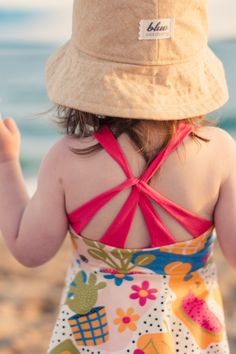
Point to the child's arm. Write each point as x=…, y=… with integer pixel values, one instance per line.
x=225, y=210
x=33, y=229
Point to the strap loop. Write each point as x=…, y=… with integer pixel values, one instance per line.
x=142, y=195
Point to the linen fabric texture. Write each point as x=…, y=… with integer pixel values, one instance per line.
x=106, y=69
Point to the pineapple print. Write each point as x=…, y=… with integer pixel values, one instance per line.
x=83, y=293
x=89, y=324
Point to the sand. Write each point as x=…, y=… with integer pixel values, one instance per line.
x=29, y=300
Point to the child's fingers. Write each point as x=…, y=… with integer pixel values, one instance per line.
x=10, y=124
x=2, y=126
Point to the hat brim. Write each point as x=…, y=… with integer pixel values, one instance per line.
x=160, y=92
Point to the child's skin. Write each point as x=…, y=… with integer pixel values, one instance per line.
x=35, y=229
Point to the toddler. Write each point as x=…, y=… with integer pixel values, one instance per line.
x=141, y=180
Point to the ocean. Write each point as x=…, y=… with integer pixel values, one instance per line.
x=23, y=96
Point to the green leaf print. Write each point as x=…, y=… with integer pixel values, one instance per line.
x=93, y=244
x=65, y=347
x=118, y=259
x=124, y=256
x=144, y=259
x=117, y=253
x=98, y=254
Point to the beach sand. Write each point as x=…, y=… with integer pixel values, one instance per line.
x=29, y=300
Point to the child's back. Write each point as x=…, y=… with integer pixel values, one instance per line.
x=155, y=298
x=191, y=177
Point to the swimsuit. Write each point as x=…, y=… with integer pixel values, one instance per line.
x=162, y=299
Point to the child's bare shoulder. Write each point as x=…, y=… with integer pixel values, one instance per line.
x=223, y=149
x=60, y=156
x=58, y=150
x=215, y=132
x=220, y=138
x=64, y=145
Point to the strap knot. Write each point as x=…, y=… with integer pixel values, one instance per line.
x=134, y=181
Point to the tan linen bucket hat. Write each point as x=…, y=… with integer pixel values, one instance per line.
x=144, y=59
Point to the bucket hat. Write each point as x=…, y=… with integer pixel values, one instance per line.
x=143, y=59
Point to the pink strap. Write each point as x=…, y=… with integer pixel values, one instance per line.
x=159, y=234
x=193, y=223
x=141, y=192
x=182, y=131
x=80, y=217
x=117, y=232
x=108, y=141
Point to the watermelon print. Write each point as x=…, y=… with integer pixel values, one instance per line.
x=198, y=311
x=160, y=300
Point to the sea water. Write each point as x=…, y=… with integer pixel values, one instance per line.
x=23, y=96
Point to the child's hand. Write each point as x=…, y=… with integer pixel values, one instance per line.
x=9, y=140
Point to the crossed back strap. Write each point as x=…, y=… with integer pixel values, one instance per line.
x=141, y=194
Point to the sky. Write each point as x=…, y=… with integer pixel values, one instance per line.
x=23, y=19
x=42, y=20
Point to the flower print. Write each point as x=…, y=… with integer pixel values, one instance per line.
x=143, y=293
x=126, y=319
x=206, y=258
x=118, y=277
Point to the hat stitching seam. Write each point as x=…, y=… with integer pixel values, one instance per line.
x=107, y=58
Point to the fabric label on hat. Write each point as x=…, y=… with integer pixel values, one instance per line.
x=156, y=29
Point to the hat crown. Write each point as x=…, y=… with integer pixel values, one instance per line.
x=140, y=59
x=152, y=32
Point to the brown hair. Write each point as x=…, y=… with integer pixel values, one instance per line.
x=82, y=124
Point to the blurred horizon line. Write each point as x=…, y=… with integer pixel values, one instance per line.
x=51, y=22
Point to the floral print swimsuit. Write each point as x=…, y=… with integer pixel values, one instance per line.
x=163, y=299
